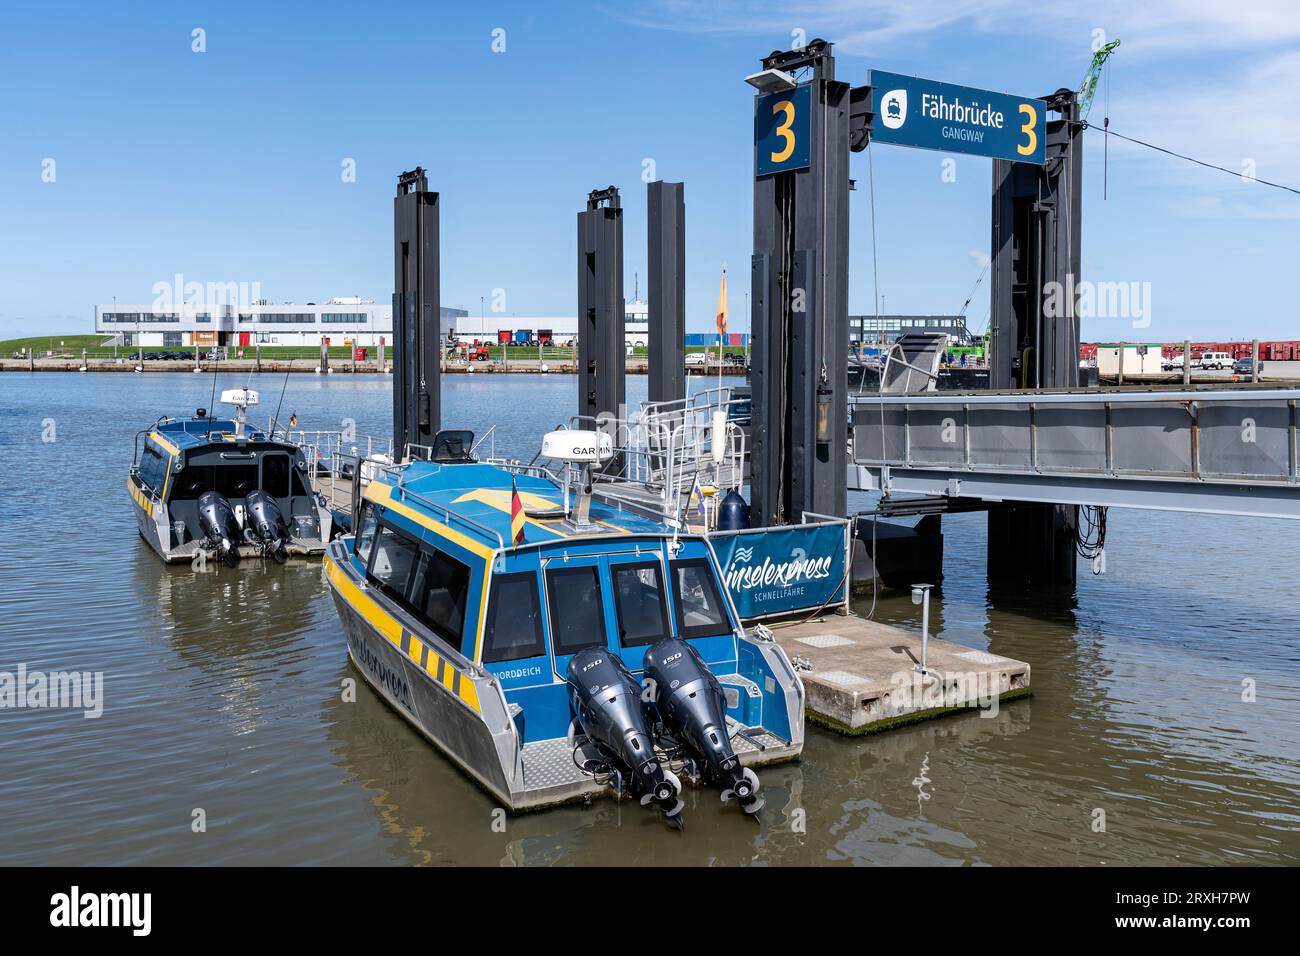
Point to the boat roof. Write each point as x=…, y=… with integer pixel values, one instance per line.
x=481, y=494
x=185, y=433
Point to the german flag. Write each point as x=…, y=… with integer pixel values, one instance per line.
x=516, y=514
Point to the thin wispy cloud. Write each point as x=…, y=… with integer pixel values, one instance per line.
x=861, y=26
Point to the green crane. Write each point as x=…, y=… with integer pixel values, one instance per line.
x=1090, y=78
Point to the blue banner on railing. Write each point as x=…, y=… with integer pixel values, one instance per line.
x=783, y=569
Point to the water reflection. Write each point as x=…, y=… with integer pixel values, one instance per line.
x=232, y=629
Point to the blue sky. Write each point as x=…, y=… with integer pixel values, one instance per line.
x=225, y=165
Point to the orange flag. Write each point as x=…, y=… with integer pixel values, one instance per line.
x=722, y=305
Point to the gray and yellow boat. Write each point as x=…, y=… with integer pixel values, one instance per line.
x=554, y=646
x=214, y=488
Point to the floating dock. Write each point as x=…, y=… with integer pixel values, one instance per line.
x=861, y=676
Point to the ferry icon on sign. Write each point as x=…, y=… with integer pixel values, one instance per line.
x=894, y=114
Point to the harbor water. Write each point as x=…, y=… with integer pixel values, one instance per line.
x=1163, y=727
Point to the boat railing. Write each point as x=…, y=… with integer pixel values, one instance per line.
x=335, y=460
x=665, y=447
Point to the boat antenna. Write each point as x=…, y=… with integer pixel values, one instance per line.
x=281, y=405
x=213, y=402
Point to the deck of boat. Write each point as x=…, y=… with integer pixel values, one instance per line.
x=551, y=775
x=647, y=497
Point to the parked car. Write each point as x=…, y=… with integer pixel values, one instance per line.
x=1245, y=366
x=1216, y=361
x=1174, y=364
x=694, y=359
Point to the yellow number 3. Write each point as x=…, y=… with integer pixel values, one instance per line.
x=1031, y=121
x=784, y=130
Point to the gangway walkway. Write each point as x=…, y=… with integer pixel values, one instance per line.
x=1225, y=450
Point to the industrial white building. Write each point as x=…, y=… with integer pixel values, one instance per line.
x=344, y=321
x=349, y=321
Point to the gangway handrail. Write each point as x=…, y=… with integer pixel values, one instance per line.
x=1081, y=397
x=1220, y=450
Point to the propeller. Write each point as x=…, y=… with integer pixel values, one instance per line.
x=666, y=794
x=745, y=789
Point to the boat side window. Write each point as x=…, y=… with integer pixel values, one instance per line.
x=275, y=475
x=437, y=594
x=514, y=621
x=235, y=481
x=366, y=532
x=394, y=559
x=153, y=467
x=639, y=599
x=576, y=608
x=700, y=612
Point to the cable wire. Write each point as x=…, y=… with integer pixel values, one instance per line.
x=1191, y=159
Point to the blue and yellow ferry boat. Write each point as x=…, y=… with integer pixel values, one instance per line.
x=217, y=488
x=552, y=645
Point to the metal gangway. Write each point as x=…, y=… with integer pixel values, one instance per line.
x=339, y=460
x=667, y=452
x=1214, y=450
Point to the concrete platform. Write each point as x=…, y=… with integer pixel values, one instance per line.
x=863, y=676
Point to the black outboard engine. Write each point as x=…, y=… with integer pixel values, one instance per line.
x=690, y=704
x=264, y=525
x=220, y=527
x=607, y=700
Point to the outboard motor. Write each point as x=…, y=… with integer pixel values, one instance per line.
x=607, y=701
x=220, y=527
x=690, y=704
x=265, y=525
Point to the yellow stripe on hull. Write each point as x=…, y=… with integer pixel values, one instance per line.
x=382, y=494
x=389, y=627
x=142, y=500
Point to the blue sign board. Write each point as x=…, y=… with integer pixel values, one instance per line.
x=782, y=130
x=957, y=119
x=783, y=569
